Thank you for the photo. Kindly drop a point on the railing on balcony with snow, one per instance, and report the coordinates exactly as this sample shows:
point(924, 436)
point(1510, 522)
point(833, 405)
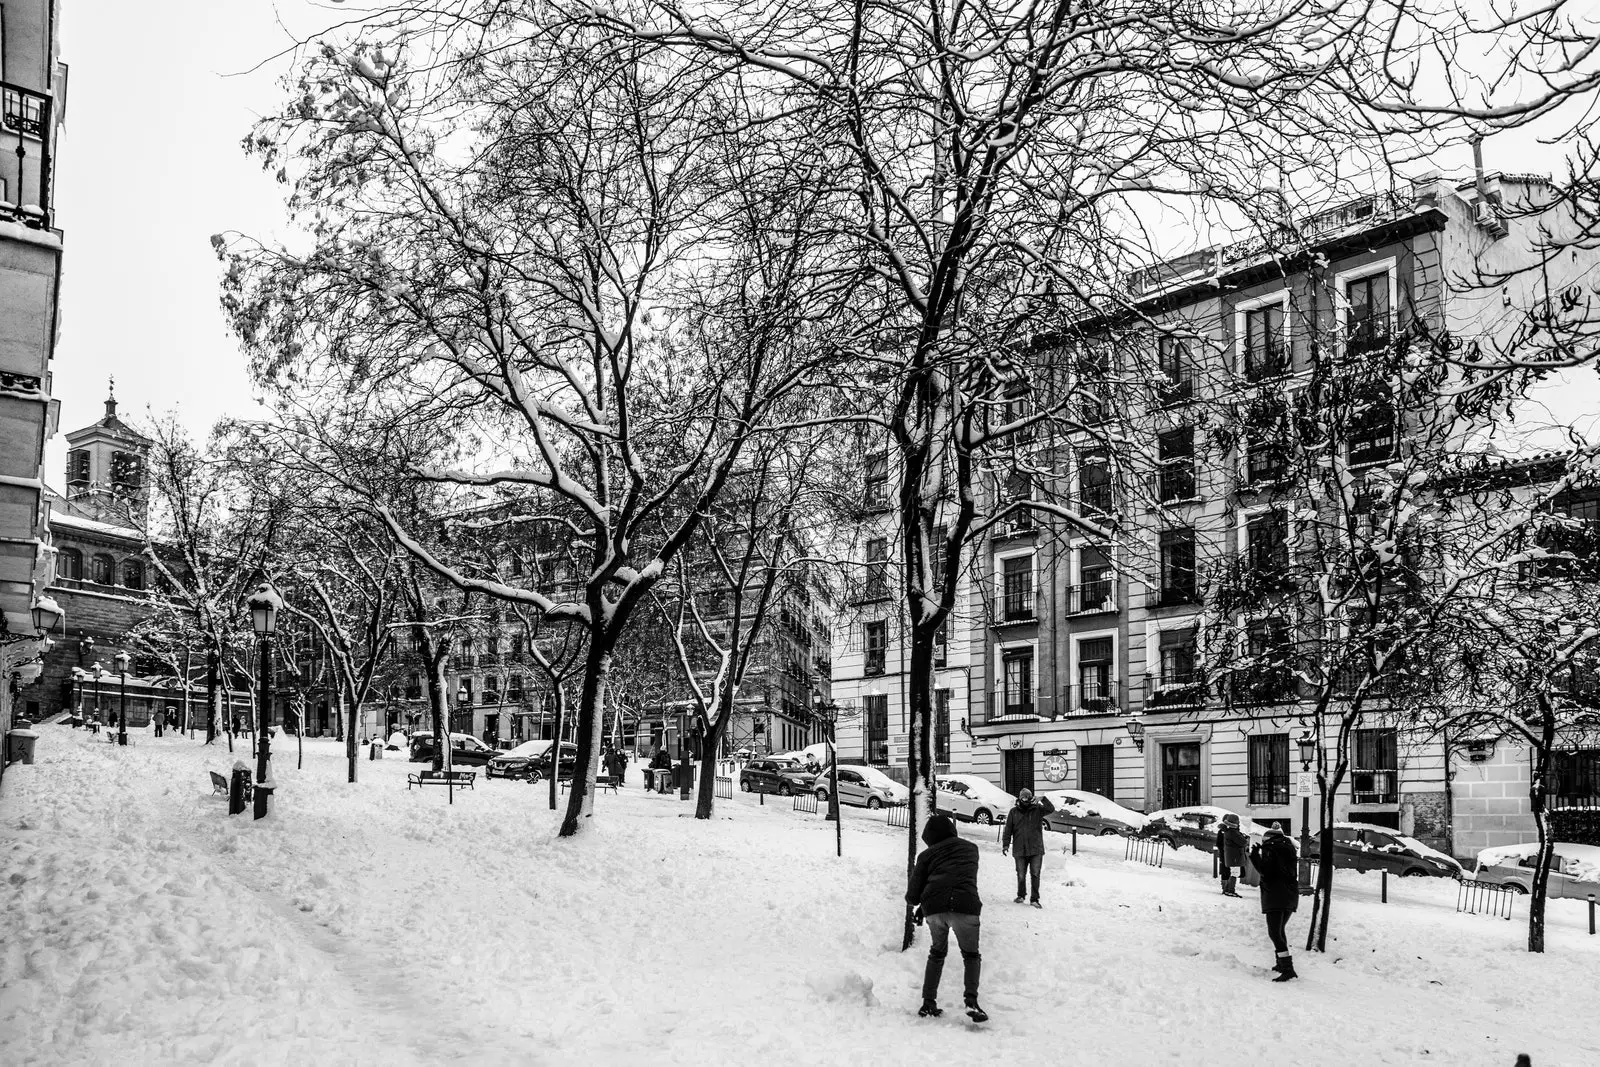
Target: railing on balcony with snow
point(1088, 597)
point(27, 136)
point(1092, 698)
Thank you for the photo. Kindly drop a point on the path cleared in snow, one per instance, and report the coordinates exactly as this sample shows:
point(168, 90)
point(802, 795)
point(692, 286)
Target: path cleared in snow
point(368, 924)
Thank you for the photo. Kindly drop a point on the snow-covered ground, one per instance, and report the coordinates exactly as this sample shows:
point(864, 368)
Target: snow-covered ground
point(369, 924)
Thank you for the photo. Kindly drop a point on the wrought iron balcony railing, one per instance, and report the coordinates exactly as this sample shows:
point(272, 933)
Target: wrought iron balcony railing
point(28, 128)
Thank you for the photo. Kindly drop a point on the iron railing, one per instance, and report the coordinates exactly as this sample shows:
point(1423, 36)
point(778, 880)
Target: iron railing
point(1089, 597)
point(1485, 898)
point(1174, 690)
point(27, 116)
point(1151, 851)
point(1091, 698)
point(1000, 709)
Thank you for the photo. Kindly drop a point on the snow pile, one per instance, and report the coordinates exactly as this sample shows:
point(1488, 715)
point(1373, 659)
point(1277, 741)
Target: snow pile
point(371, 924)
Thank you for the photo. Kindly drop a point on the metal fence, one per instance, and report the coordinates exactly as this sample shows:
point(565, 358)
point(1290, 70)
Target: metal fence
point(898, 815)
point(805, 802)
point(1151, 851)
point(1485, 898)
point(724, 788)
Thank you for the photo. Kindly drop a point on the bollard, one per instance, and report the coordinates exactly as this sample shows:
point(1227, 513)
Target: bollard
point(1215, 859)
point(762, 793)
point(1074, 840)
point(236, 788)
point(1384, 892)
point(1591, 914)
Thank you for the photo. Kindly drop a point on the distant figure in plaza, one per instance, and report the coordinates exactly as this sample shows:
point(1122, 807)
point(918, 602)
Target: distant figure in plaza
point(661, 761)
point(1024, 837)
point(621, 773)
point(157, 723)
point(1276, 860)
point(1231, 846)
point(944, 891)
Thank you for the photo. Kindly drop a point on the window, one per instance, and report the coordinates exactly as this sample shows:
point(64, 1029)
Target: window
point(877, 647)
point(876, 584)
point(1018, 488)
point(941, 726)
point(104, 570)
point(1574, 537)
point(1267, 544)
point(133, 574)
point(1266, 462)
point(1017, 408)
point(1177, 567)
point(78, 469)
point(516, 644)
point(877, 736)
point(1094, 376)
point(1367, 318)
point(1094, 675)
point(1094, 483)
point(1372, 437)
point(1576, 776)
point(1096, 589)
point(1177, 651)
point(516, 566)
point(464, 691)
point(1177, 374)
point(1175, 457)
point(69, 563)
point(1097, 770)
point(1267, 677)
point(1265, 354)
point(414, 687)
point(1017, 580)
point(127, 471)
point(876, 494)
point(941, 645)
point(1016, 674)
point(1269, 769)
point(1374, 779)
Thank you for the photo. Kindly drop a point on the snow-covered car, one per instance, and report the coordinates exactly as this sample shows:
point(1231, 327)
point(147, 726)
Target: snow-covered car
point(1086, 812)
point(1574, 870)
point(862, 785)
point(967, 796)
point(1360, 846)
point(531, 761)
point(464, 748)
point(1195, 825)
point(773, 775)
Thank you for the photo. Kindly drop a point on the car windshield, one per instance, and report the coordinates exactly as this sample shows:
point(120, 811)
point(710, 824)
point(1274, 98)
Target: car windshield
point(877, 778)
point(528, 748)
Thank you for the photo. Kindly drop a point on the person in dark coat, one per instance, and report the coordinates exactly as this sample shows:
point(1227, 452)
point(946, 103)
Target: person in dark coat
point(660, 761)
point(1276, 859)
point(1231, 846)
point(1024, 838)
point(944, 891)
point(620, 759)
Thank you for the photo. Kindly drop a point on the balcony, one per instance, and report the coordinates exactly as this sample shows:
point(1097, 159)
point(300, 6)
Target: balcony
point(1002, 709)
point(1174, 690)
point(1177, 595)
point(27, 135)
point(1014, 606)
point(1263, 686)
point(1088, 598)
point(1266, 362)
point(1174, 483)
point(1176, 387)
point(1092, 698)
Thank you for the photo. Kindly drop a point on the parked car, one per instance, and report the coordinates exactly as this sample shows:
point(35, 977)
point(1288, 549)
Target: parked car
point(1361, 846)
point(1090, 813)
point(772, 775)
point(1574, 870)
point(531, 761)
point(464, 748)
point(1195, 825)
point(967, 796)
point(867, 786)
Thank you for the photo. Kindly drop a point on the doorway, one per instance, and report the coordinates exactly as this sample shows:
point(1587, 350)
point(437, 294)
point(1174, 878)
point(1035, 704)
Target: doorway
point(1017, 769)
point(1180, 774)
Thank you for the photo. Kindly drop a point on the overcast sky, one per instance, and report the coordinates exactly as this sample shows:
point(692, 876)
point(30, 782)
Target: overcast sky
point(150, 167)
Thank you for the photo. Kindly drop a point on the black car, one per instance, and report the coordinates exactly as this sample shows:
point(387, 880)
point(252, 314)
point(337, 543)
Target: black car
point(785, 777)
point(464, 749)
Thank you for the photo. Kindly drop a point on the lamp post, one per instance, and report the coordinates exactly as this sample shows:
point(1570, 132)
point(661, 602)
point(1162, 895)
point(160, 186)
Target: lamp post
point(1135, 727)
point(1307, 742)
point(97, 672)
point(79, 676)
point(828, 712)
point(264, 606)
point(122, 660)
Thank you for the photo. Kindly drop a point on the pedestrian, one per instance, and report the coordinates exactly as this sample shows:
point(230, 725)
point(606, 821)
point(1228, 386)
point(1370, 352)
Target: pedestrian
point(157, 722)
point(944, 893)
point(622, 768)
point(1278, 864)
point(1024, 837)
point(1231, 845)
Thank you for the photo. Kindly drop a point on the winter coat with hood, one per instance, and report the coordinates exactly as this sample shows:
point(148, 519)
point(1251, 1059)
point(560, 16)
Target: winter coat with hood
point(1024, 832)
point(1278, 863)
point(1231, 844)
point(946, 875)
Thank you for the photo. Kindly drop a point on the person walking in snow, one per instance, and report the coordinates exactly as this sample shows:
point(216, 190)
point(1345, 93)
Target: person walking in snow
point(1278, 864)
point(1231, 846)
point(944, 893)
point(622, 767)
point(1024, 838)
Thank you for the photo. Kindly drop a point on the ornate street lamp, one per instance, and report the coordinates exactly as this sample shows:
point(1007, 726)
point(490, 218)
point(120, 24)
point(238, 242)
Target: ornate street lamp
point(828, 712)
point(264, 604)
point(1306, 740)
point(122, 660)
point(98, 673)
point(46, 614)
point(1135, 727)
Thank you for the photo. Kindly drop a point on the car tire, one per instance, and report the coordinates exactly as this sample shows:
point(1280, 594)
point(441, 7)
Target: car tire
point(1170, 842)
point(822, 796)
point(874, 802)
point(1106, 831)
point(1517, 888)
point(786, 790)
point(1412, 872)
point(533, 777)
point(982, 817)
point(744, 783)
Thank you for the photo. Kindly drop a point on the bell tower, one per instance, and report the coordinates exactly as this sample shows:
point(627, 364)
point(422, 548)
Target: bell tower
point(106, 469)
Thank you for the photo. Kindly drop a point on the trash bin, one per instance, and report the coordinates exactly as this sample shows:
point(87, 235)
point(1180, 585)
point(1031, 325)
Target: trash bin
point(375, 750)
point(19, 746)
point(238, 787)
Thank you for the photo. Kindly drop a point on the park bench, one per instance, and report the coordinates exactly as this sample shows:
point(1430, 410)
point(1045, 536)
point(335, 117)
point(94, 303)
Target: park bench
point(219, 784)
point(460, 778)
point(601, 781)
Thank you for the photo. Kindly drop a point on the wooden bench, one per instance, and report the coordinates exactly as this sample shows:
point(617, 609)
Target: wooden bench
point(460, 778)
point(601, 781)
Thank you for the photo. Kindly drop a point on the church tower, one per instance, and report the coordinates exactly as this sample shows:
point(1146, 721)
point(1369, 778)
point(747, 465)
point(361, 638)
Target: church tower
point(106, 469)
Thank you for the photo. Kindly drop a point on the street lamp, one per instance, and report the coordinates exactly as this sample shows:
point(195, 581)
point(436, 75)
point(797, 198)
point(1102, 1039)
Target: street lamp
point(122, 661)
point(828, 712)
point(46, 613)
point(1307, 742)
point(1135, 727)
point(264, 605)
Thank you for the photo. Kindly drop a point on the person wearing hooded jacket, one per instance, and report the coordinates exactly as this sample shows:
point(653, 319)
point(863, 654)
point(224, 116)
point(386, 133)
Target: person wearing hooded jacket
point(1024, 837)
point(944, 891)
point(1231, 845)
point(1276, 859)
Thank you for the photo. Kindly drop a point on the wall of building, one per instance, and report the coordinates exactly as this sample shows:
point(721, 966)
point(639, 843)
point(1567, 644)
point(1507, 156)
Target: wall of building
point(1491, 799)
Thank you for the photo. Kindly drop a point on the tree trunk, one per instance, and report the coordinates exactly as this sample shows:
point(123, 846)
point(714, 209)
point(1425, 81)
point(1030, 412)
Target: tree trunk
point(555, 745)
point(595, 674)
point(710, 744)
point(211, 697)
point(347, 698)
point(919, 764)
point(1536, 795)
point(437, 692)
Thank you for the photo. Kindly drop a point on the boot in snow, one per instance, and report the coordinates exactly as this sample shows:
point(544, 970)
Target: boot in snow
point(930, 1010)
point(1285, 969)
point(975, 1013)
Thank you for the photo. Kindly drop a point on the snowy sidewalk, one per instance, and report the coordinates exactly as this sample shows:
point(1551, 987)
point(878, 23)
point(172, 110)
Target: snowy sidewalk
point(368, 924)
